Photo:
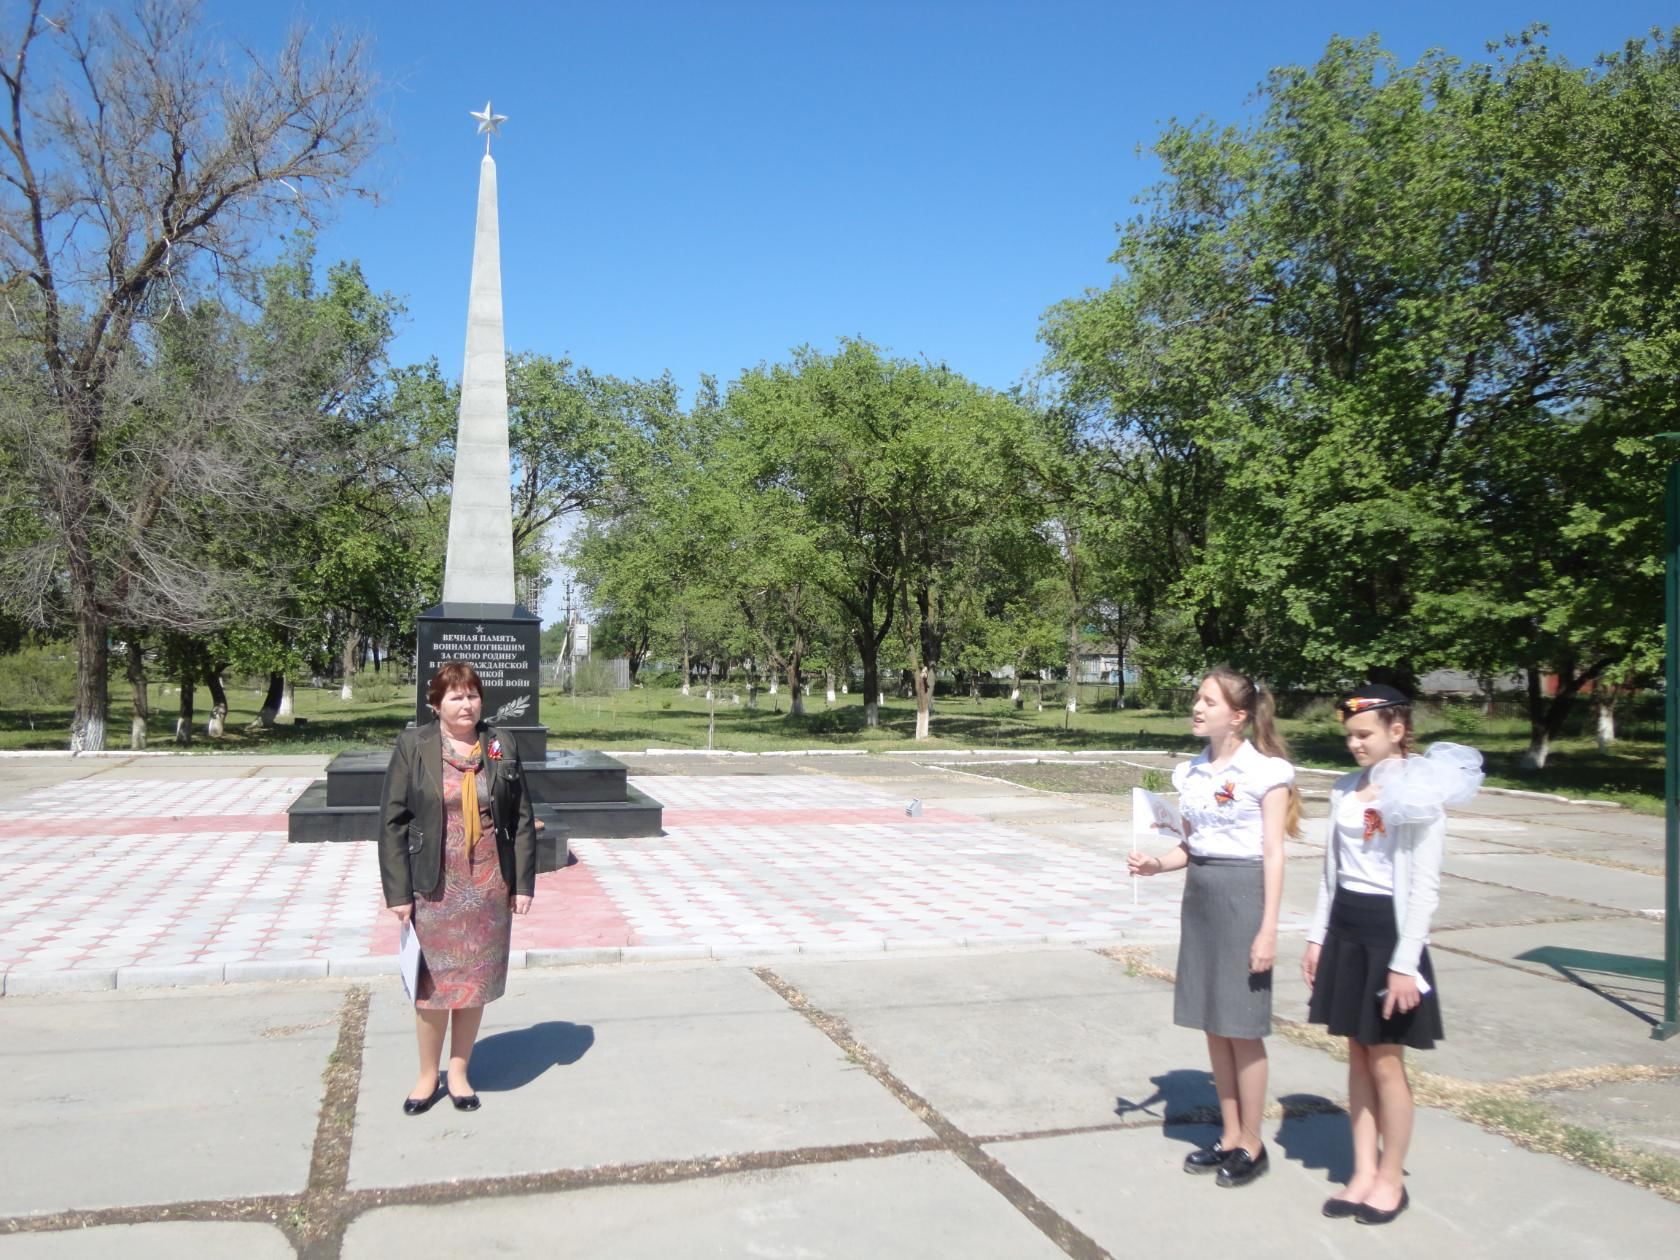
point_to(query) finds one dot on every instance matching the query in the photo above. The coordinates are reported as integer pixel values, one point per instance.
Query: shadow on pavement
(1314, 1139)
(1181, 1096)
(1577, 965)
(509, 1060)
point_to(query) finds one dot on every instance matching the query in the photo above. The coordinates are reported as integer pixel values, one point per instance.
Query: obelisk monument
(479, 619)
(478, 567)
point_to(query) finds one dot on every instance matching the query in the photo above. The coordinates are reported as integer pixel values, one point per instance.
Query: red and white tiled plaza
(172, 879)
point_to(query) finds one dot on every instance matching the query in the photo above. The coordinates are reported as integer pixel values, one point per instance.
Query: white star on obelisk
(489, 123)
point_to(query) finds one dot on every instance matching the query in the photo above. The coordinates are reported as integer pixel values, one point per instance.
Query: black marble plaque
(502, 642)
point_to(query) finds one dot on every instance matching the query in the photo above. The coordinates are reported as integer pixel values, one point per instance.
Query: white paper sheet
(409, 959)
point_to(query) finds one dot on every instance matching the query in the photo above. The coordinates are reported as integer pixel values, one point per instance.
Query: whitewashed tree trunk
(286, 700)
(217, 722)
(828, 676)
(142, 697)
(773, 684)
(880, 699)
(752, 695)
(1605, 711)
(872, 713)
(796, 693)
(1539, 748)
(924, 703)
(184, 714)
(845, 689)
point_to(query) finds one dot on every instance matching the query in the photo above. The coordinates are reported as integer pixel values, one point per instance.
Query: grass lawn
(660, 718)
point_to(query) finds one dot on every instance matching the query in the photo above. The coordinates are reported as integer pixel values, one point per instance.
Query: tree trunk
(1546, 717)
(286, 696)
(924, 702)
(87, 728)
(774, 681)
(350, 659)
(142, 702)
(1073, 669)
(686, 684)
(796, 693)
(271, 700)
(184, 716)
(828, 677)
(218, 698)
(1604, 705)
(906, 684)
(752, 694)
(872, 697)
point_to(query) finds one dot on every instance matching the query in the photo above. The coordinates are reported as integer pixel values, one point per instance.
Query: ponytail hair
(1260, 726)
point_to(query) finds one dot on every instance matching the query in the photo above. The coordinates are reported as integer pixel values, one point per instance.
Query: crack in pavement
(1052, 1224)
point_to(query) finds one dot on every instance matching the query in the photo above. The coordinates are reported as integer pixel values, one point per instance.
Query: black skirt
(1353, 969)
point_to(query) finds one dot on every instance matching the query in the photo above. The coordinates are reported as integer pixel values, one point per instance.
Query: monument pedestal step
(311, 820)
(354, 778)
(581, 794)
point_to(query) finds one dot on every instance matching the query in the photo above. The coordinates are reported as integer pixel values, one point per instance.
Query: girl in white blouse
(1367, 960)
(1239, 801)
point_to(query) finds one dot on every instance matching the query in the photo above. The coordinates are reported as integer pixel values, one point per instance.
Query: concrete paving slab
(203, 1095)
(909, 1206)
(1467, 903)
(1473, 1195)
(1643, 1114)
(1559, 877)
(1618, 958)
(599, 1066)
(1503, 1023)
(155, 1240)
(1007, 1043)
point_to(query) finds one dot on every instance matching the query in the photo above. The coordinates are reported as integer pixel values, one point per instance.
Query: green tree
(1366, 349)
(133, 167)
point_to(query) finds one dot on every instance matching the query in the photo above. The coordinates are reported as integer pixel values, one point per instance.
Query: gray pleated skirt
(1224, 901)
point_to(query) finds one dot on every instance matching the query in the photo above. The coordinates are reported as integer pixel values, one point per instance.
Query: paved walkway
(994, 1098)
(122, 878)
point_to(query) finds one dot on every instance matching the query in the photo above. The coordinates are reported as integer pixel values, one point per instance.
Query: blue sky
(698, 187)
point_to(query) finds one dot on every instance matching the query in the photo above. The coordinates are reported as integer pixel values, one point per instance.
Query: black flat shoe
(1335, 1208)
(1240, 1167)
(465, 1102)
(1369, 1215)
(1206, 1160)
(419, 1106)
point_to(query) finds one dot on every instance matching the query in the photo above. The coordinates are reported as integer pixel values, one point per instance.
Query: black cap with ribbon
(1373, 696)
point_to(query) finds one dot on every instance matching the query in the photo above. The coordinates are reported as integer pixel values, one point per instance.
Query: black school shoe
(1369, 1215)
(1206, 1160)
(1240, 1167)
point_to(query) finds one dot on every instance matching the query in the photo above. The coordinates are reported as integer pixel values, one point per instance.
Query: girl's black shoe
(1369, 1215)
(1206, 1160)
(1240, 1167)
(1334, 1208)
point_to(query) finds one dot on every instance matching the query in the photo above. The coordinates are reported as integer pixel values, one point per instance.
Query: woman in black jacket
(458, 857)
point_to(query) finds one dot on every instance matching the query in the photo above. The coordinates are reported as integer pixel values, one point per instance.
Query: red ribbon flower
(495, 750)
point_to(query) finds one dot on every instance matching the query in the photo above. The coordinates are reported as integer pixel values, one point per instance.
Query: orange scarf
(471, 823)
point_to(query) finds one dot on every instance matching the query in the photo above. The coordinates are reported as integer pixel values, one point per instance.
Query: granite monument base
(574, 794)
